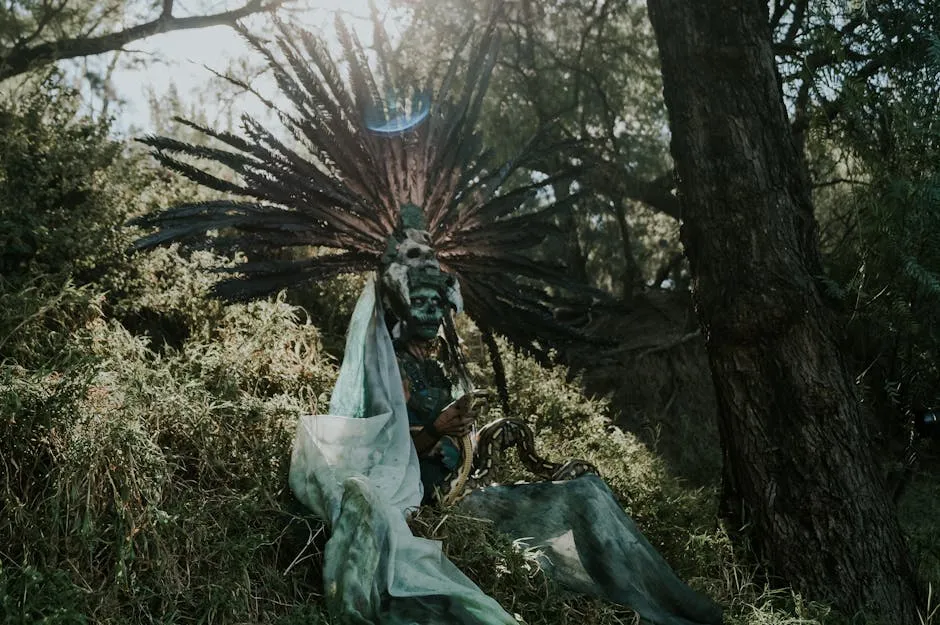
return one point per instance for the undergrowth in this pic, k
(680, 521)
(145, 433)
(154, 483)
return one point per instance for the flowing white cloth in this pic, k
(357, 469)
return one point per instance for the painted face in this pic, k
(427, 312)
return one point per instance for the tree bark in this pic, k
(798, 465)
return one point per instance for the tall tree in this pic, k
(589, 72)
(798, 464)
(876, 96)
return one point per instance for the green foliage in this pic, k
(58, 213)
(161, 479)
(574, 426)
(510, 574)
(40, 316)
(881, 240)
(917, 509)
(678, 520)
(30, 596)
(165, 294)
(145, 430)
(136, 485)
(588, 74)
(331, 303)
(24, 20)
(865, 81)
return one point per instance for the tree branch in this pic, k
(657, 194)
(667, 268)
(49, 13)
(19, 60)
(829, 183)
(799, 12)
(676, 342)
(780, 9)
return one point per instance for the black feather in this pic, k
(331, 183)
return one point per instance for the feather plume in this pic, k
(333, 183)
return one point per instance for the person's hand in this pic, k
(456, 419)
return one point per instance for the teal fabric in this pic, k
(585, 540)
(357, 468)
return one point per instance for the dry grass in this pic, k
(146, 485)
(144, 482)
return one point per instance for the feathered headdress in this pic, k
(348, 169)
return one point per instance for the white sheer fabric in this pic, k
(357, 468)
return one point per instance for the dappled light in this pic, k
(443, 311)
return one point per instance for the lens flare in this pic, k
(396, 114)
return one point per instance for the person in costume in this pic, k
(403, 187)
(422, 294)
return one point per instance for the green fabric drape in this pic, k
(357, 468)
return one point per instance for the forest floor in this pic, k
(657, 382)
(146, 440)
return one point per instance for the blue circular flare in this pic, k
(396, 115)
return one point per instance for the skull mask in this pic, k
(415, 250)
(411, 253)
(426, 311)
(411, 269)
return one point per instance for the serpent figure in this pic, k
(503, 433)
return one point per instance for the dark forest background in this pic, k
(145, 428)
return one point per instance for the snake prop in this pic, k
(495, 437)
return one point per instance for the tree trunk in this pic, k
(576, 261)
(631, 272)
(798, 465)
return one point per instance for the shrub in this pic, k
(160, 479)
(60, 210)
(138, 485)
